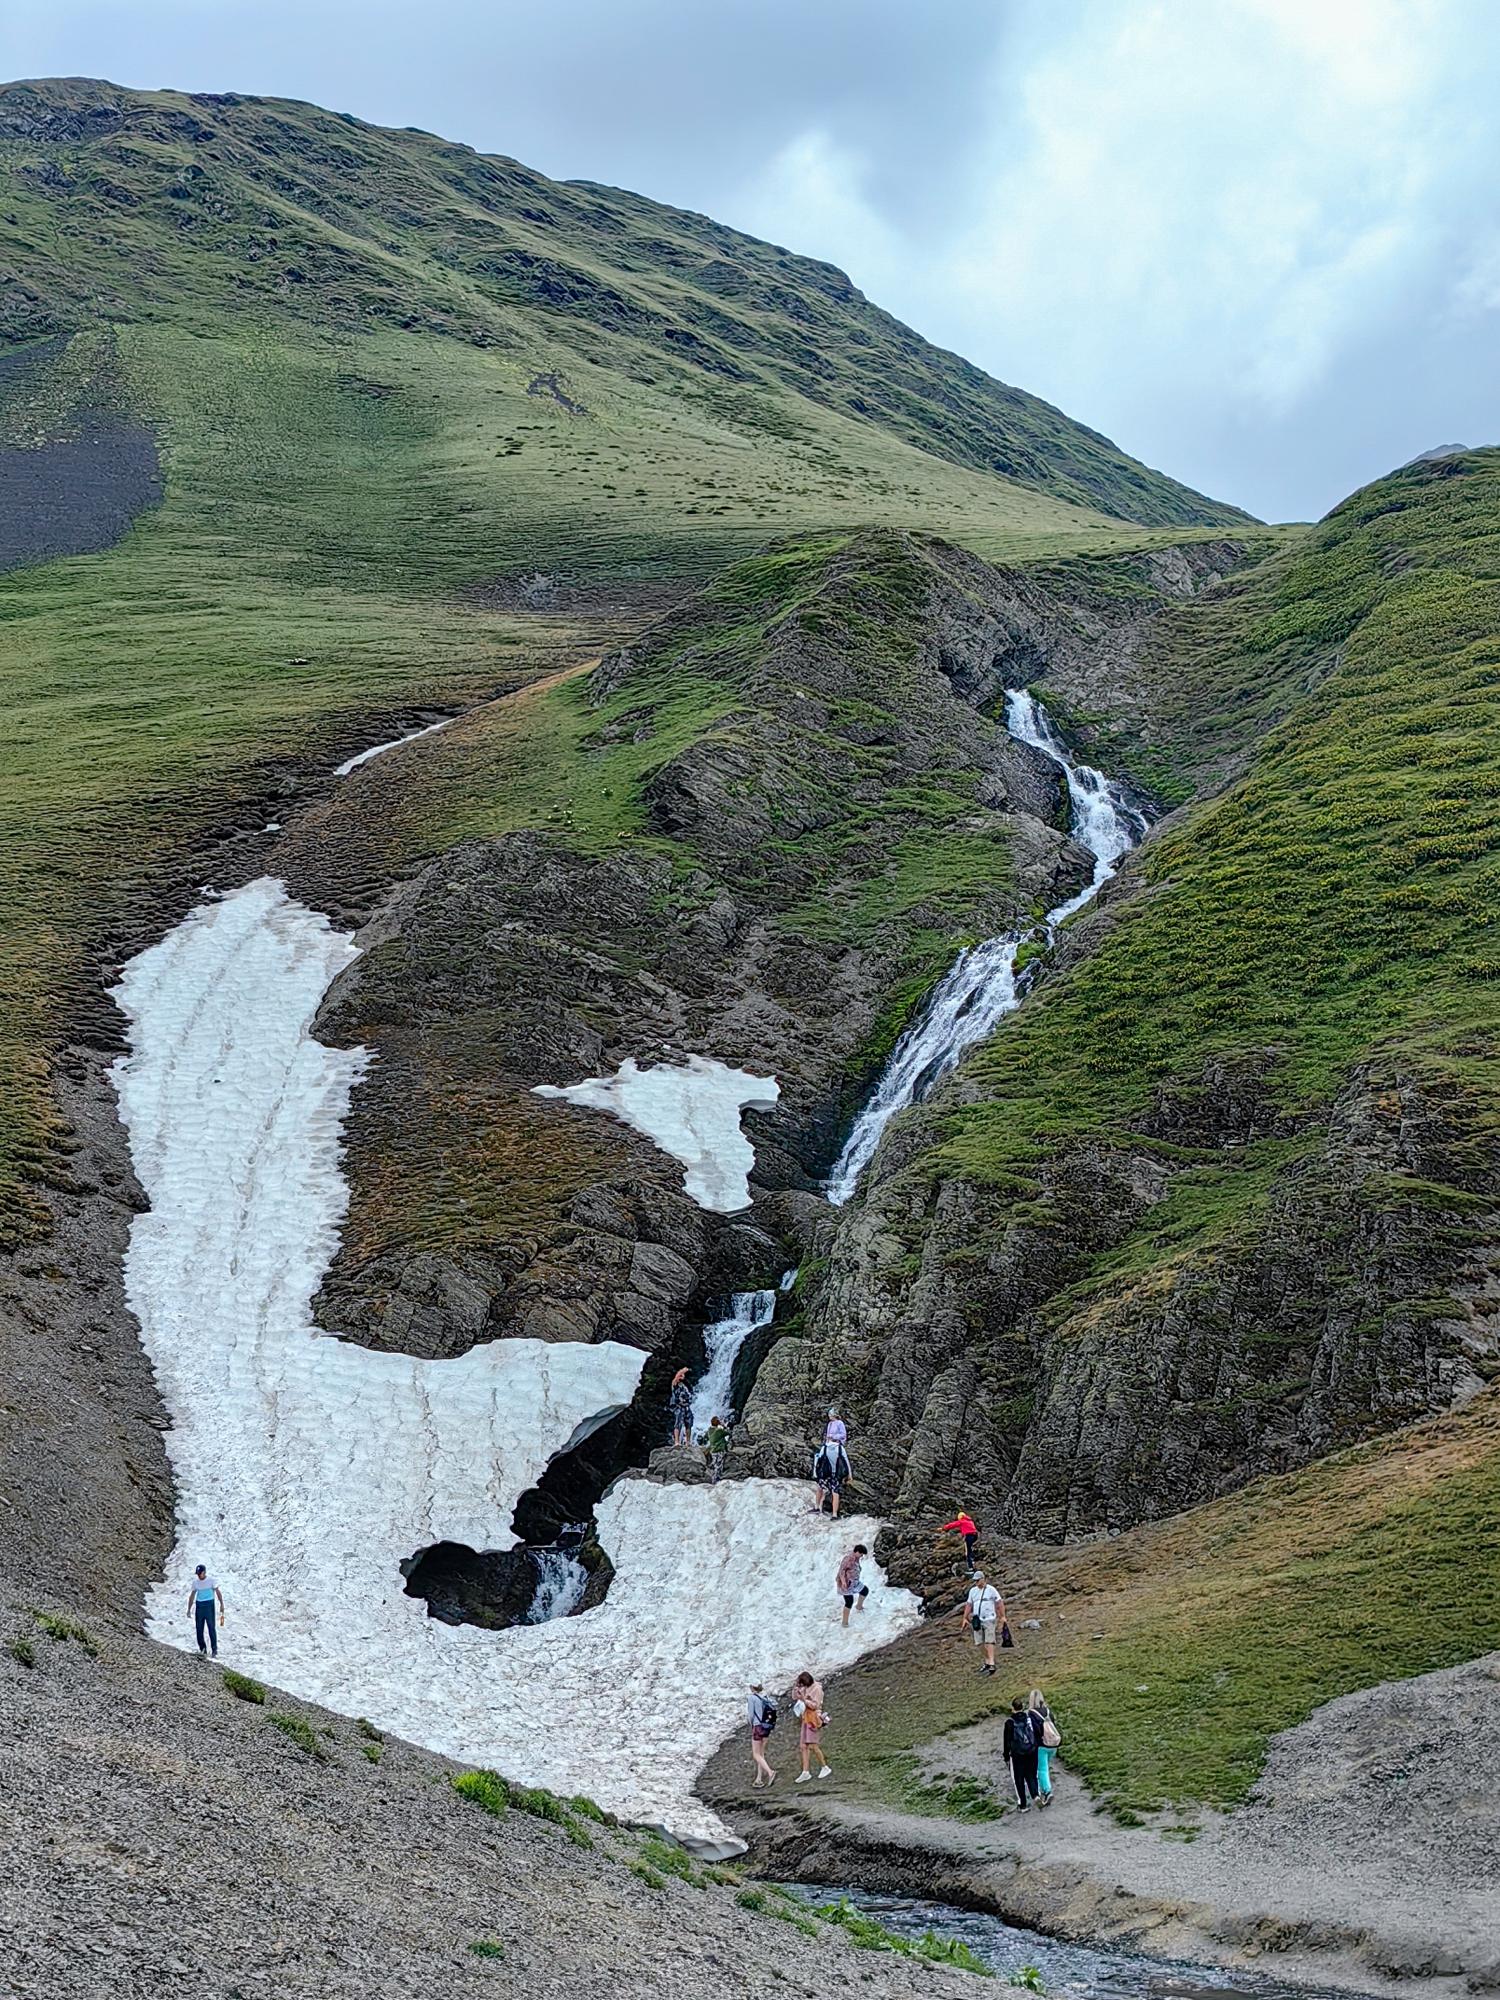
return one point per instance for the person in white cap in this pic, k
(984, 1607)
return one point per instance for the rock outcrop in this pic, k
(819, 804)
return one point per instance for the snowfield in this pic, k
(690, 1110)
(307, 1468)
(379, 749)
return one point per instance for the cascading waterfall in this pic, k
(1101, 819)
(723, 1341)
(979, 989)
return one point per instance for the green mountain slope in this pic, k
(134, 206)
(1238, 1166)
(399, 428)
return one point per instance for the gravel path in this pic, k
(163, 1838)
(1369, 1855)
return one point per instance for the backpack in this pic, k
(1051, 1735)
(1022, 1735)
(768, 1712)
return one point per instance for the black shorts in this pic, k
(850, 1595)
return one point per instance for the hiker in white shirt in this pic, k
(984, 1608)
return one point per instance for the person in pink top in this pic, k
(847, 1582)
(809, 1708)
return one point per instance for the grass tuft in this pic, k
(298, 1730)
(243, 1688)
(60, 1630)
(485, 1789)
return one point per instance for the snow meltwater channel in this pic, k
(307, 1468)
(979, 989)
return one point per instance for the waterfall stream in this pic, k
(560, 1584)
(723, 1341)
(979, 988)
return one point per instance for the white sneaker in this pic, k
(803, 1776)
(826, 1772)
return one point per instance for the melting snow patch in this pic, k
(379, 749)
(307, 1468)
(691, 1111)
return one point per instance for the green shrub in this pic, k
(487, 1948)
(243, 1688)
(647, 1875)
(1028, 1978)
(371, 1752)
(367, 1728)
(587, 1809)
(60, 1629)
(485, 1789)
(302, 1733)
(22, 1651)
(540, 1803)
(669, 1859)
(752, 1899)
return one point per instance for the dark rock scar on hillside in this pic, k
(79, 478)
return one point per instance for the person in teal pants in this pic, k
(203, 1597)
(1036, 1701)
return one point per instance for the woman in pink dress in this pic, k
(809, 1707)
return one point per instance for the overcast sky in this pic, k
(1255, 241)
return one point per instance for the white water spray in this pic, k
(979, 988)
(560, 1584)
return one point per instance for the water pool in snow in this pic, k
(690, 1110)
(307, 1468)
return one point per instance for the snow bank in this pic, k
(307, 1468)
(379, 749)
(691, 1111)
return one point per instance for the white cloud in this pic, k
(1184, 222)
(817, 189)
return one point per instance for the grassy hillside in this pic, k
(1175, 1652)
(1221, 1197)
(1338, 904)
(157, 206)
(429, 426)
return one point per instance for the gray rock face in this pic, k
(766, 922)
(85, 1493)
(952, 1327)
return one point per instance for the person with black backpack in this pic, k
(1023, 1738)
(762, 1712)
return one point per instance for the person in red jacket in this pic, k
(968, 1527)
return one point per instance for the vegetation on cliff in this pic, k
(1216, 1200)
(1337, 905)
